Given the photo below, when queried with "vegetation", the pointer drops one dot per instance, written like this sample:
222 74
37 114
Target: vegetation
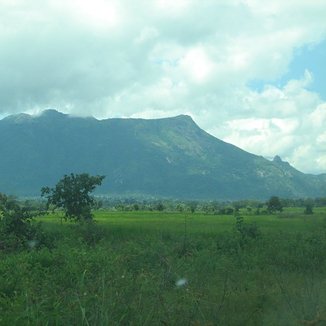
72 193
309 207
17 226
158 261
171 268
274 205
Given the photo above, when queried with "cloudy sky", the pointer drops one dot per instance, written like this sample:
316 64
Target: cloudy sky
251 72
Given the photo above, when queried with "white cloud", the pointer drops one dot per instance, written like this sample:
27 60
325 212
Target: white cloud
318 116
101 14
158 58
147 34
172 6
321 139
198 65
288 121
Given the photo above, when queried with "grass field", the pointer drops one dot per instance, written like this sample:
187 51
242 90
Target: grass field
161 268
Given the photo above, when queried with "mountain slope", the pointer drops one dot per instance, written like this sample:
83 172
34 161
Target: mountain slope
169 157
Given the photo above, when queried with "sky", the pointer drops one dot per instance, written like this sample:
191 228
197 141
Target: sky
250 72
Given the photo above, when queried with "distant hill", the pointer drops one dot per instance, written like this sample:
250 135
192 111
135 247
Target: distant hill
169 157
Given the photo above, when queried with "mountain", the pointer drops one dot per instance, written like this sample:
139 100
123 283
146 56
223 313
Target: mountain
169 157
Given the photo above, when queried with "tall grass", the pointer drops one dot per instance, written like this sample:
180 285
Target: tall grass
138 268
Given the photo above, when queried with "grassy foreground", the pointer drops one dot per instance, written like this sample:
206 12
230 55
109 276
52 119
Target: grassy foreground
150 268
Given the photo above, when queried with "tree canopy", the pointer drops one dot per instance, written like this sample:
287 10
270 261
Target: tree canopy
274 205
72 193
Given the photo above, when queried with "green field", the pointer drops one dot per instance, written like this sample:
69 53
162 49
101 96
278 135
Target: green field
162 268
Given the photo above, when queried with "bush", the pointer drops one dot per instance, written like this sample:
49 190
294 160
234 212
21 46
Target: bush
247 231
160 207
89 232
17 228
309 209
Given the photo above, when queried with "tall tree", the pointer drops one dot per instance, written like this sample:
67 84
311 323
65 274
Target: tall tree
72 193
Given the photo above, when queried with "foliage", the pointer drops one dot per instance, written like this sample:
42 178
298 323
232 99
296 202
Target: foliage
309 207
72 193
247 231
136 275
246 207
160 207
17 229
193 206
274 205
226 211
89 232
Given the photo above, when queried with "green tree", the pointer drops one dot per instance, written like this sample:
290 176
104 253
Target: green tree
160 207
17 226
274 205
193 206
309 205
72 193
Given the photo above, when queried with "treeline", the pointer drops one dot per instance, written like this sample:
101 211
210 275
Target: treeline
209 207
173 205
302 202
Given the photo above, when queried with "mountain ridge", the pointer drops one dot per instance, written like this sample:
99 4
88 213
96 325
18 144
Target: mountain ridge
168 157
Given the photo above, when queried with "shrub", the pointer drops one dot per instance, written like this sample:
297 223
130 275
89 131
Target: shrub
17 228
89 232
309 209
246 231
160 207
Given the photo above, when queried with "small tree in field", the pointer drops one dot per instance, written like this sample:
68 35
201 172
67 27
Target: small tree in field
72 193
309 205
274 205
